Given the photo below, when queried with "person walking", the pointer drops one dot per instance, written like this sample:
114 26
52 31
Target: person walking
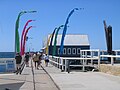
46 60
36 60
18 59
27 59
40 58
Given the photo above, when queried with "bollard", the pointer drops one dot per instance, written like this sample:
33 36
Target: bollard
67 66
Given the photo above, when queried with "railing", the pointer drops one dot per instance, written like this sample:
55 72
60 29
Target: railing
112 57
90 56
86 60
7 65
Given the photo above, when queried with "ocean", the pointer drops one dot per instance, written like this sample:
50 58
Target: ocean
7 54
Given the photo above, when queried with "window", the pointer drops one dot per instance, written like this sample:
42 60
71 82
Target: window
64 51
74 51
69 50
78 50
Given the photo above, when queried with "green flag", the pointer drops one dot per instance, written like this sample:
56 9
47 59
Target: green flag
55 41
17 44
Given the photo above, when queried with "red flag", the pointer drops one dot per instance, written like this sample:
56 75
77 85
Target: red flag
23 32
23 48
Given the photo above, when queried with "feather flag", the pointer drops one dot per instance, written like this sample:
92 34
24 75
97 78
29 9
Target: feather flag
52 41
55 40
23 49
17 42
48 41
65 29
52 37
23 32
17 47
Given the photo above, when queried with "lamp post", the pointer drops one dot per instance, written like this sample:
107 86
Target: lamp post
17 43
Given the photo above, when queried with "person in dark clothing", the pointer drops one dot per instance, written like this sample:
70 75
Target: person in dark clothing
27 59
18 59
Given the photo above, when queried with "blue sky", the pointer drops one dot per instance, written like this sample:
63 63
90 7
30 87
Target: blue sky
53 13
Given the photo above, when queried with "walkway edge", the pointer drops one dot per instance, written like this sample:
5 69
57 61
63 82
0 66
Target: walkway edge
51 77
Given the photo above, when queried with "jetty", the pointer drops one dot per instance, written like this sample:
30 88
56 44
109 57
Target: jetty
52 78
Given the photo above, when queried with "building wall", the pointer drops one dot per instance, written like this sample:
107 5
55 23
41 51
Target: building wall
69 51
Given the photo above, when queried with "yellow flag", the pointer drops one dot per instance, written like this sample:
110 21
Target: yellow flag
48 41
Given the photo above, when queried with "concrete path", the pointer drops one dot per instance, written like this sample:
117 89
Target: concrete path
25 80
84 80
42 80
65 81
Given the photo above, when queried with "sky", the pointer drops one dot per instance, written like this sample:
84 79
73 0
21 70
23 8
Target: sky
53 13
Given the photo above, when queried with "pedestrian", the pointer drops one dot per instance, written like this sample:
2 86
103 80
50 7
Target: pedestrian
27 59
18 59
40 58
36 60
46 60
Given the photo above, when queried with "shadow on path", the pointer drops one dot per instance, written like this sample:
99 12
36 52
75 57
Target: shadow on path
13 86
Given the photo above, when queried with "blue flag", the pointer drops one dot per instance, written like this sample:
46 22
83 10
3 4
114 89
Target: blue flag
65 29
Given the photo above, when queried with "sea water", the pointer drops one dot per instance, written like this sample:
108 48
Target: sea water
7 54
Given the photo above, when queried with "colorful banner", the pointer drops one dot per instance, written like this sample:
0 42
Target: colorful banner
23 49
17 42
65 29
52 37
52 41
55 40
23 32
17 47
48 41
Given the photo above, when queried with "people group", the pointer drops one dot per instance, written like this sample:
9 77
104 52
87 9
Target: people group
37 60
36 57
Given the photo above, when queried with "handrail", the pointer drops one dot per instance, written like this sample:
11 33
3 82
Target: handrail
86 55
112 57
63 62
